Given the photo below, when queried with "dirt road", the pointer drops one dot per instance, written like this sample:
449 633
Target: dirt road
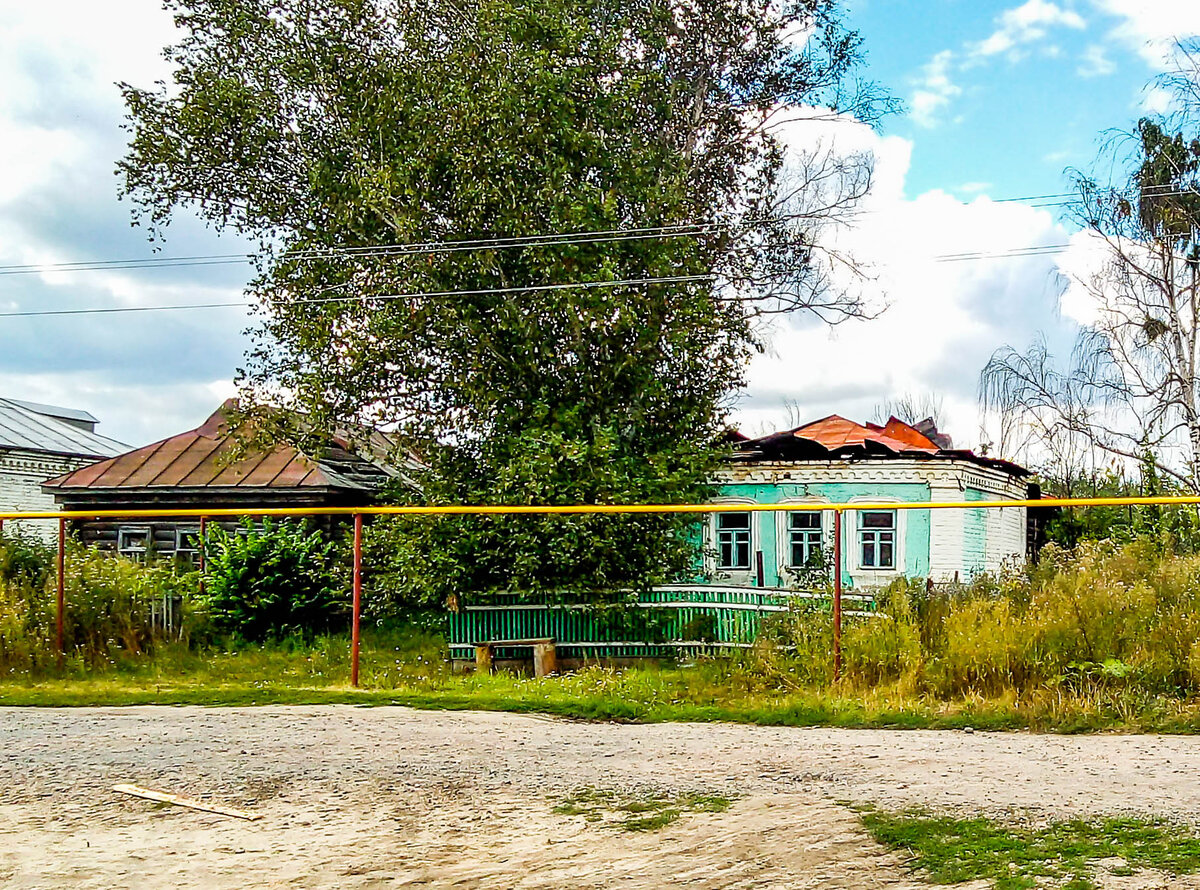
390 797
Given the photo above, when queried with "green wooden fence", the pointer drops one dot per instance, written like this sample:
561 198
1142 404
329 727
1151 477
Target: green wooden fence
678 619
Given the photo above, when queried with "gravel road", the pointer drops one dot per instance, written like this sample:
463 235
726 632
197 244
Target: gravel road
391 797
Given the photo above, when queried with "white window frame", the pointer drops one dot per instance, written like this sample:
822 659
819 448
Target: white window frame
730 505
877 542
734 544
851 543
184 547
783 536
134 552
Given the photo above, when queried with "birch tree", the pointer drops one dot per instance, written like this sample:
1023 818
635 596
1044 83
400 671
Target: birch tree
1130 388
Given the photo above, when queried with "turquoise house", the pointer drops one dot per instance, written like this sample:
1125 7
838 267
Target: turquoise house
756 564
834 460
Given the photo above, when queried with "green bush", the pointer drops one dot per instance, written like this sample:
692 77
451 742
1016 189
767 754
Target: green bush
277 581
114 606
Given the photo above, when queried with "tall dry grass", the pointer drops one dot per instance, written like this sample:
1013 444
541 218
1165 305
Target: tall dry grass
1100 620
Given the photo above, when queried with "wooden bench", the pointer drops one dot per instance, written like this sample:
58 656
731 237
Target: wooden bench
543 654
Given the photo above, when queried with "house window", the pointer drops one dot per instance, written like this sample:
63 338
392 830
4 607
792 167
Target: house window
733 540
804 538
186 545
877 539
133 541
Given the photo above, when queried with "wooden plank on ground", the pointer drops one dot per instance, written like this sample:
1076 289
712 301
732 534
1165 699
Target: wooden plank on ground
178 801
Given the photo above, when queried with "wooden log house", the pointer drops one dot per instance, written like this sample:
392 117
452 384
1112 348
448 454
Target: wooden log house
202 468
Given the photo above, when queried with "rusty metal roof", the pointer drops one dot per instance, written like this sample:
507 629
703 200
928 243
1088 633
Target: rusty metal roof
33 427
835 437
205 458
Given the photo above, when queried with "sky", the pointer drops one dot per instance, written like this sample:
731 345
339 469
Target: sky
1000 99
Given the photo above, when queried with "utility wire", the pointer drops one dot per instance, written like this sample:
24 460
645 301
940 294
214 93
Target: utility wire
479 244
627 282
1018 252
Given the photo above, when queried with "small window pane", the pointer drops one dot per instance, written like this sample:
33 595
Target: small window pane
885 555
807 519
878 519
743 553
868 552
733 520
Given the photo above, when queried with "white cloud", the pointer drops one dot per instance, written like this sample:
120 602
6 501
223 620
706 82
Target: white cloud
145 375
944 318
973 188
1156 100
1151 27
1024 24
1016 30
1094 62
934 90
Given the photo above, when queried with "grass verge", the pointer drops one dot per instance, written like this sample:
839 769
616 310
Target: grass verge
408 668
1062 854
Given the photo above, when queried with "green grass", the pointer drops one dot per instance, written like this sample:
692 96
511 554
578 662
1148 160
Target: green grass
1014 857
408 668
641 810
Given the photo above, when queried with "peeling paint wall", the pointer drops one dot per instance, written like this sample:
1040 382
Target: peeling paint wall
940 544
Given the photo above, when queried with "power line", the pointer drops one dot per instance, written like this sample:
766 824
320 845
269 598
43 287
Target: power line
479 244
626 282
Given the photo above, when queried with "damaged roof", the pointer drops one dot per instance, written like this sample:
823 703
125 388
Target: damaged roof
29 426
836 438
205 458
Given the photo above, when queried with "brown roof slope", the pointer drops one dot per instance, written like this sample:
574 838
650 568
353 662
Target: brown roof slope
201 458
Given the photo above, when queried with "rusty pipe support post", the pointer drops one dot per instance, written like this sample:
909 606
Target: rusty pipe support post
354 626
837 595
60 570
203 545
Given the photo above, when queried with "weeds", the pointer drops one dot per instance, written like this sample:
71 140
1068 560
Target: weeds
953 851
644 810
1104 638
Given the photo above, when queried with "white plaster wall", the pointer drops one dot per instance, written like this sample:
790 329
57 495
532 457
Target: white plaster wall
21 476
1005 537
945 533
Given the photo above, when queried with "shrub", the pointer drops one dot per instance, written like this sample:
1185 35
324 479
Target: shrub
273 582
112 602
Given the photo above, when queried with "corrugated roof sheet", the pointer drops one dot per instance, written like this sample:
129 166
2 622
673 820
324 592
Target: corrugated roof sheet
836 437
202 458
24 426
56 411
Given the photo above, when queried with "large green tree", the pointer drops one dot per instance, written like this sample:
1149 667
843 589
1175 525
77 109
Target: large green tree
402 164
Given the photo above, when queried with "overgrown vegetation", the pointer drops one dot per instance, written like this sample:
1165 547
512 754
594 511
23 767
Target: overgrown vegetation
1013 857
284 579
1104 636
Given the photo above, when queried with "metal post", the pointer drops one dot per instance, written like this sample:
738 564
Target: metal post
203 547
837 595
61 570
358 527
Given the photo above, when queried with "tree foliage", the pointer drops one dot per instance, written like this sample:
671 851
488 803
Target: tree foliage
402 165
